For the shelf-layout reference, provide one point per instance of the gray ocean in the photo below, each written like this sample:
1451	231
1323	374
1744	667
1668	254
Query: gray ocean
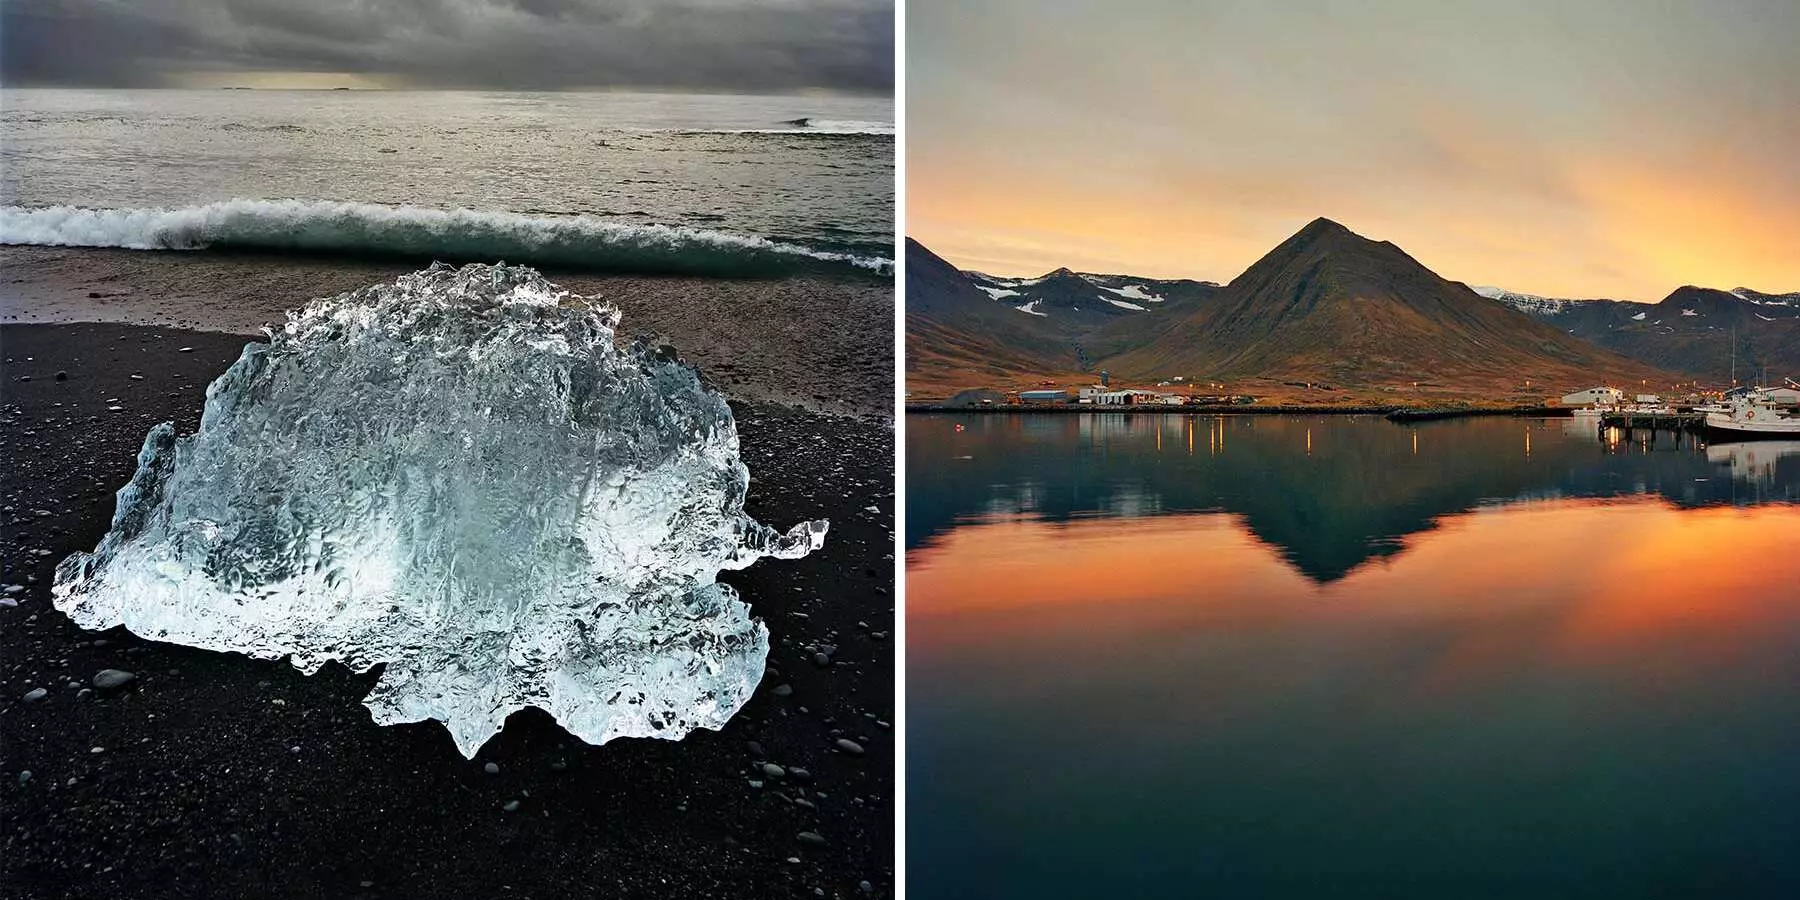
720	185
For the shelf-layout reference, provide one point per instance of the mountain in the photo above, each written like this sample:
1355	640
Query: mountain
964	324
959	333
1082	302
1330	305
1693	330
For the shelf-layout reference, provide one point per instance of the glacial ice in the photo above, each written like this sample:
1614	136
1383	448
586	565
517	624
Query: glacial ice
458	475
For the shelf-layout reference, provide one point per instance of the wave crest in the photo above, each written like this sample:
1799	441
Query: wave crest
463	235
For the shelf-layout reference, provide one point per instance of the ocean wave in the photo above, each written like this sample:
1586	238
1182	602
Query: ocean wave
462	235
807	125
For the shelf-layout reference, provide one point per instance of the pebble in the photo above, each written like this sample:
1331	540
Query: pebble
61	375
36	694
113	679
784	690
865	887
821	659
756	749
511	806
799	774
491	768
774	771
24	776
849	746
84	694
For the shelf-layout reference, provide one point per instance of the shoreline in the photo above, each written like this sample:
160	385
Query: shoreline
1393	413
222	776
812	343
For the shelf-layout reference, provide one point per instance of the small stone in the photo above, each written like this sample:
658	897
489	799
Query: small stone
865	887
557	765
784	690
511	806
185	350
36	694
113	679
756	749
24	776
98	750
799	774
61	375
491	768
821	659
774	771
84	694
849	746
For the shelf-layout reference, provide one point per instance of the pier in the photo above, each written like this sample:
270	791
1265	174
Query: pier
1667	421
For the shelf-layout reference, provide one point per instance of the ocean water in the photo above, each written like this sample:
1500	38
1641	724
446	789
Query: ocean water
1245	656
725	185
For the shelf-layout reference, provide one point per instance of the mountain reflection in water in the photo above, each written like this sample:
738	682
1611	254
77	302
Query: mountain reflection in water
1153	655
1331	492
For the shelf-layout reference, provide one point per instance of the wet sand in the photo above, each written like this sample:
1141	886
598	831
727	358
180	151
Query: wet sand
815	343
222	776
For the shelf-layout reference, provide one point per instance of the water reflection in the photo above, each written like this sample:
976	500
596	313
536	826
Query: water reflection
1331	492
1155	655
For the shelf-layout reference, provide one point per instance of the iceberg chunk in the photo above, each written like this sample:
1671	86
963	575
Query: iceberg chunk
461	477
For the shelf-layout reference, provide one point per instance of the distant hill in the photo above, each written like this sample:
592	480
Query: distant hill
956	331
1691	331
961	324
1326	305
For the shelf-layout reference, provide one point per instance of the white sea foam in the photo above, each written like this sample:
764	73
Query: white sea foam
323	226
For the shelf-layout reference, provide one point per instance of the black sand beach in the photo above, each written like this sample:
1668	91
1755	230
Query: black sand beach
214	775
817	343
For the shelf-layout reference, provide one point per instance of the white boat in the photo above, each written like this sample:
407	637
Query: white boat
1753	416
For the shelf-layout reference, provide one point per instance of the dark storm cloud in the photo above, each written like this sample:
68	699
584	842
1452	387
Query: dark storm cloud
722	44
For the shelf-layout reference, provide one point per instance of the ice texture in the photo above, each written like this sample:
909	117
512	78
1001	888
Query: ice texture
459	475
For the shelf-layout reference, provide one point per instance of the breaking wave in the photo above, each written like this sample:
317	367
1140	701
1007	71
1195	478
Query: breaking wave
461	235
808	125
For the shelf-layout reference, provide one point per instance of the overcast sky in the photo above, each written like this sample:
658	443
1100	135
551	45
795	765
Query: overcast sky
1602	148
737	45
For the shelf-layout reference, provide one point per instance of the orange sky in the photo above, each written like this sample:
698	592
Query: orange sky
1609	148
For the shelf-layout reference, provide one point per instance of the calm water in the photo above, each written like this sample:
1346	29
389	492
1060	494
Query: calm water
732	164
1300	657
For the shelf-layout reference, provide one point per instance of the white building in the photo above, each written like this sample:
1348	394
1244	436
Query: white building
1784	396
1596	396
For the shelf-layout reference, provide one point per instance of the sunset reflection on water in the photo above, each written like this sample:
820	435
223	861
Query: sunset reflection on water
1481	659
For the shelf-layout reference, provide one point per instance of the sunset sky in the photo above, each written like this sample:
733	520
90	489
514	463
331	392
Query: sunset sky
1606	148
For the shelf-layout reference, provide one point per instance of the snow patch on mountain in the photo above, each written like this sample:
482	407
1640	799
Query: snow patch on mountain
1123	304
997	292
1032	308
1135	292
1530	304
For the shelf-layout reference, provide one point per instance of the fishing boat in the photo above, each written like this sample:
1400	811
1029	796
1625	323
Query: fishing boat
1753	415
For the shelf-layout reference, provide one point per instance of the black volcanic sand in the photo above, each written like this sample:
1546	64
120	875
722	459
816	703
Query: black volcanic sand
815	343
216	775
